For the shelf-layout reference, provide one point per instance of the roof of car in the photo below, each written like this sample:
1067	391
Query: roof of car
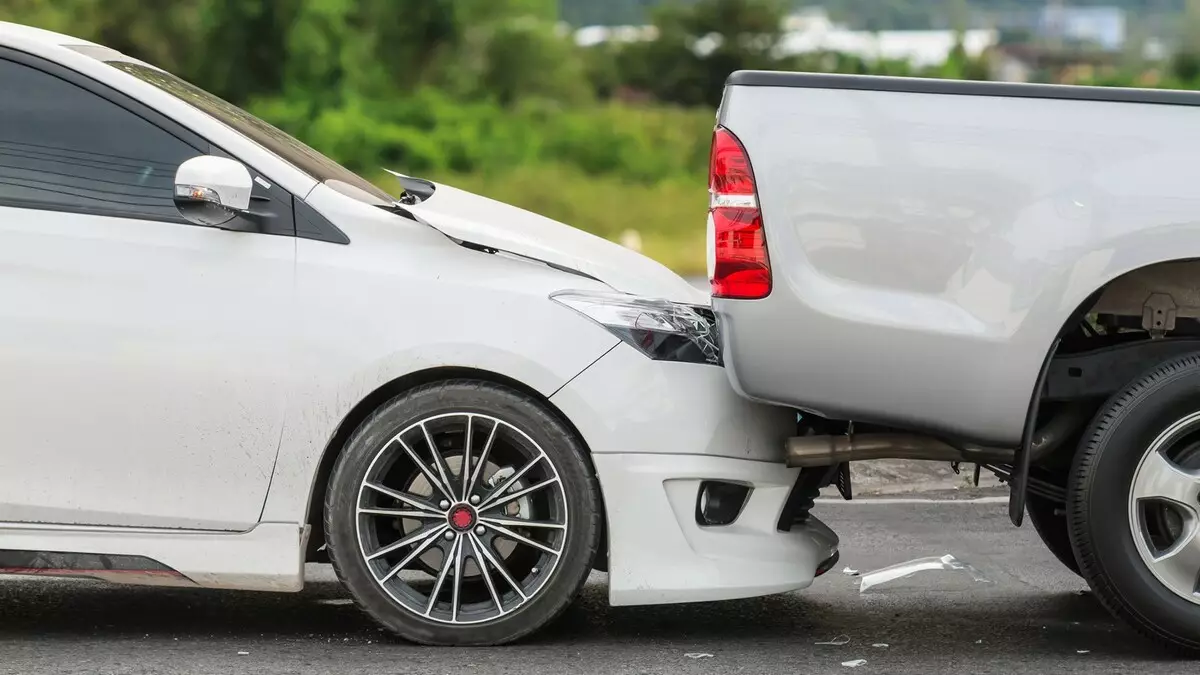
15	32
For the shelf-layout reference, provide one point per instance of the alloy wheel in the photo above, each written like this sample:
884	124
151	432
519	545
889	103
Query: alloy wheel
1164	508
461	518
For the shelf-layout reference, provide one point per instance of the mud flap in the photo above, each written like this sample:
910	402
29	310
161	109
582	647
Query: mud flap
1020	473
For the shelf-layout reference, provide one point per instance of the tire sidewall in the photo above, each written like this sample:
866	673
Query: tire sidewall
1119	440
563	450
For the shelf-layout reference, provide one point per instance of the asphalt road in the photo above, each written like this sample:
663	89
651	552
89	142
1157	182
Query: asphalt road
1032	618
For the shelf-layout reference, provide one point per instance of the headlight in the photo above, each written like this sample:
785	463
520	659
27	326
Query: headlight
660	329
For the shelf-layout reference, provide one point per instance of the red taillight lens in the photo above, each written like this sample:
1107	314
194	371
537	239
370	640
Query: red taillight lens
739	266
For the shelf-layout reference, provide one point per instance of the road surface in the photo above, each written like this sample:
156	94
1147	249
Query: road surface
1034	617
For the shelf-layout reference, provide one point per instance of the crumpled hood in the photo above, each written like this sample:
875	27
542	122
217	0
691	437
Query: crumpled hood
486	222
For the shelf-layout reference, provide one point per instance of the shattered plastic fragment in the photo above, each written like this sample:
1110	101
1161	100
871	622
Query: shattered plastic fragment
880	645
855	663
837	641
849	571
946	563
1083	651
698	655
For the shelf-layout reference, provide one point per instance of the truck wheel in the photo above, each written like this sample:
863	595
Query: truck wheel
463	513
1050	521
1133	503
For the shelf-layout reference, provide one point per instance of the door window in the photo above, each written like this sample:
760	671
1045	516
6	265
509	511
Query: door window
65	148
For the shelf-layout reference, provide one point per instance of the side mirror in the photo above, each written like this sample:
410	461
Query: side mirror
212	191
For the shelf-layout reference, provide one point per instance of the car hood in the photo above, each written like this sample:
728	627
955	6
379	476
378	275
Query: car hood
492	224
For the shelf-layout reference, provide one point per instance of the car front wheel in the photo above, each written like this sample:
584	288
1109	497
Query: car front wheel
463	513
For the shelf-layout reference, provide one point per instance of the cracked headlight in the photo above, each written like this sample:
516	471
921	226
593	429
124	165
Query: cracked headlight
660	329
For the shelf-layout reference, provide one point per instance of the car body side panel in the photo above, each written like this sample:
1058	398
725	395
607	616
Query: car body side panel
927	248
371	315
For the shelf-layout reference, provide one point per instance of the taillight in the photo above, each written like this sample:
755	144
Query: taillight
738	266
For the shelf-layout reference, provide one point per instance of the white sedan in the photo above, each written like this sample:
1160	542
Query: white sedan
223	355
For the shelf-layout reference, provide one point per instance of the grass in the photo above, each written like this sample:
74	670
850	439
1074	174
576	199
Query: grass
667	215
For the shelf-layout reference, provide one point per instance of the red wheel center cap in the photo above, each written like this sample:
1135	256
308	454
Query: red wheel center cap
462	517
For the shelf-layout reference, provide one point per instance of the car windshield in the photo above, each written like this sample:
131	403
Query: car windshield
285	146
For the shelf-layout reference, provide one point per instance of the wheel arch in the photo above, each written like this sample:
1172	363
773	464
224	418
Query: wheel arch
315	516
1134	292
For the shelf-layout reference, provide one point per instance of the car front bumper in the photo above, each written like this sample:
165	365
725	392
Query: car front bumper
657	430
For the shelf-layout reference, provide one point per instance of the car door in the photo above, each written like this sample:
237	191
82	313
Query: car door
142	358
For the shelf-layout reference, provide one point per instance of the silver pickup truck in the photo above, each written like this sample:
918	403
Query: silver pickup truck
999	274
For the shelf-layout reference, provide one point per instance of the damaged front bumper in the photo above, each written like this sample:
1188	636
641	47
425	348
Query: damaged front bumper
659	431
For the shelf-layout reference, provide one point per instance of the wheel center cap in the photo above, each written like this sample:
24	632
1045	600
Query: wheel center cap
462	517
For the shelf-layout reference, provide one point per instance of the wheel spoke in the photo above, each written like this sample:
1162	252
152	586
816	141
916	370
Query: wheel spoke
512	480
503	572
412	556
1179	567
501	500
1160	478
509	534
424	533
517	522
399	513
458	575
465	469
440	463
429	475
483	457
476	545
403	498
441	577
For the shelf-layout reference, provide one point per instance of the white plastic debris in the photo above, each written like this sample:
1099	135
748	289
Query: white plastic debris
855	663
243	653
880	645
946	563
1083	651
849	571
698	655
979	642
836	642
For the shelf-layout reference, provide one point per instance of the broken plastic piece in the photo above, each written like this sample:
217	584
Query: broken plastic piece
698	655
1083	651
946	563
837	641
855	663
880	645
849	571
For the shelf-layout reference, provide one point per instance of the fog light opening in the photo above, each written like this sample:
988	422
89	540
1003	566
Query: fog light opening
719	503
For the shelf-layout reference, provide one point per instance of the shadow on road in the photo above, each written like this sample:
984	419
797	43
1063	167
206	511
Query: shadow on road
1021	626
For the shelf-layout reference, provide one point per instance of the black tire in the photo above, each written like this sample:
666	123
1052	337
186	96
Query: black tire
1050	521
562	449
1098	503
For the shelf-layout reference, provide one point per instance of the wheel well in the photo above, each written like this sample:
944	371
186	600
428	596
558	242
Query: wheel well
1157	301
373	401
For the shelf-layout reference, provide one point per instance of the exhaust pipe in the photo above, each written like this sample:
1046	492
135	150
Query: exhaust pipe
806	451
829	450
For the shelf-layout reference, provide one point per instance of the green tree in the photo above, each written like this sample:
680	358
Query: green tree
699	45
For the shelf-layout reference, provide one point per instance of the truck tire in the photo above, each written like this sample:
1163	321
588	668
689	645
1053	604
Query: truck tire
1050	521
1133	504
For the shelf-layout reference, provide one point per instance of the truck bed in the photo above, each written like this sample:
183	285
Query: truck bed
929	240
